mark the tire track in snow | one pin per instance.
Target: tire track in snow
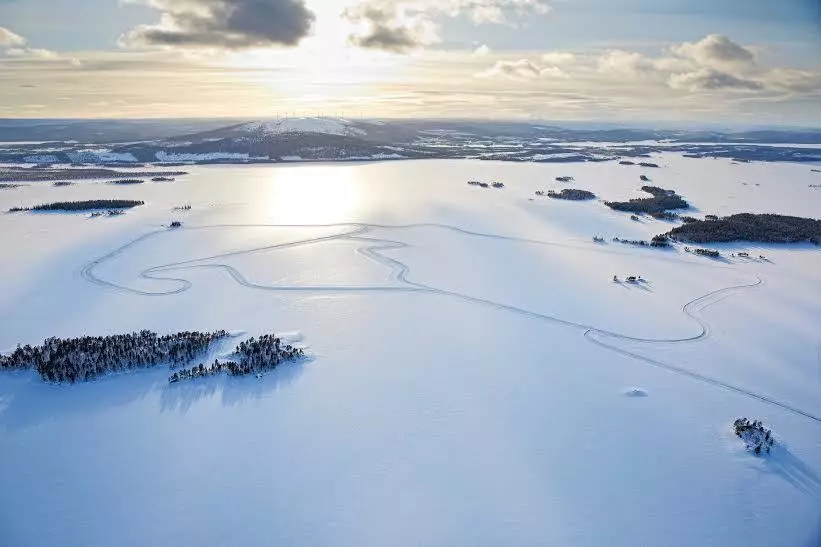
(400, 271)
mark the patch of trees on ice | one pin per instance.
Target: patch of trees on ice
(82, 359)
(573, 194)
(86, 205)
(662, 200)
(761, 228)
(126, 181)
(252, 356)
(756, 437)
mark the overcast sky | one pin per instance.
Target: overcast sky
(645, 61)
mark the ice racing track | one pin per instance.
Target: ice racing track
(371, 248)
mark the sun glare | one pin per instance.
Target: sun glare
(313, 195)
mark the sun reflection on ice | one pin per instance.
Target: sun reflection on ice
(313, 195)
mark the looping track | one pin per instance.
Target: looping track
(371, 249)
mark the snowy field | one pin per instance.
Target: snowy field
(475, 375)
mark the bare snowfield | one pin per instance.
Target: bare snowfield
(475, 375)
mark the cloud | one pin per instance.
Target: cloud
(628, 63)
(10, 39)
(31, 52)
(402, 25)
(710, 79)
(481, 51)
(715, 50)
(224, 24)
(714, 64)
(390, 31)
(523, 69)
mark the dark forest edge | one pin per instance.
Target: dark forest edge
(87, 358)
(756, 228)
(87, 205)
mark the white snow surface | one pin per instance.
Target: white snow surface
(41, 158)
(100, 156)
(329, 126)
(470, 371)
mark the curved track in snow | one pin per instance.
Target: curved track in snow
(358, 232)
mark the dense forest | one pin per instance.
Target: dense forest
(253, 356)
(82, 359)
(88, 205)
(759, 228)
(661, 201)
(571, 194)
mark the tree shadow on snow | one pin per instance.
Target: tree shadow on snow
(26, 400)
(182, 396)
(789, 467)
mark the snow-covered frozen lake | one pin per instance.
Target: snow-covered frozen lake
(476, 377)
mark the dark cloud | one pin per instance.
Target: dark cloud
(382, 32)
(228, 24)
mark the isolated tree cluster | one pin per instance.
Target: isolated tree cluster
(253, 356)
(761, 228)
(82, 359)
(712, 253)
(756, 437)
(87, 205)
(573, 194)
(662, 200)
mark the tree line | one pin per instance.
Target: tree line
(86, 205)
(759, 228)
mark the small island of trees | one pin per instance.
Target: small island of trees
(757, 228)
(82, 359)
(573, 194)
(254, 356)
(126, 181)
(87, 205)
(756, 437)
(661, 201)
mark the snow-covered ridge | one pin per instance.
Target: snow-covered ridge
(328, 126)
(164, 156)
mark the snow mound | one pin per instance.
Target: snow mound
(328, 126)
(635, 392)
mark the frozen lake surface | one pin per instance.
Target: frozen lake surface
(475, 375)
